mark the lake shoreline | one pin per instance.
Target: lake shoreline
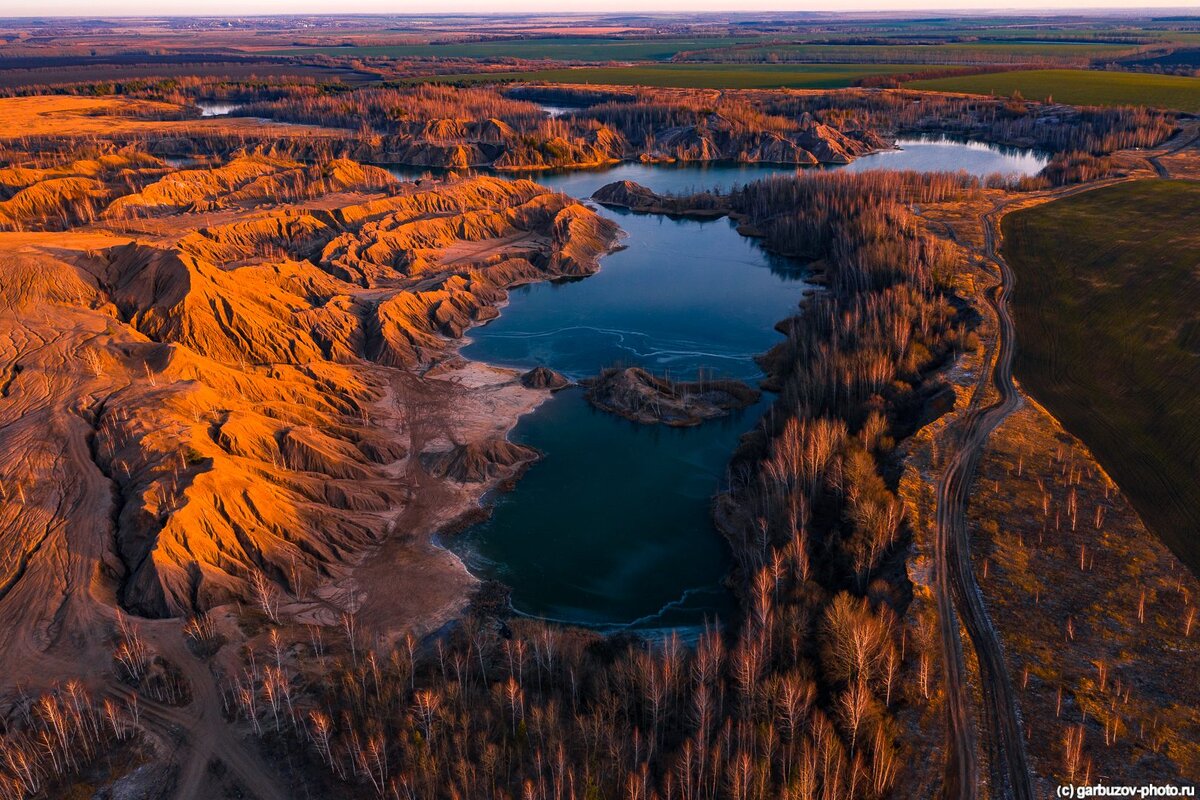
(509, 344)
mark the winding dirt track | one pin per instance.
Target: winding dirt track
(1188, 135)
(199, 731)
(957, 594)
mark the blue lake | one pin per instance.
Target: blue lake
(612, 527)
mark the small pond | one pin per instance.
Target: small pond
(213, 108)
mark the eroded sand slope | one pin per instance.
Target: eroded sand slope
(244, 376)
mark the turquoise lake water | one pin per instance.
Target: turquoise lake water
(612, 528)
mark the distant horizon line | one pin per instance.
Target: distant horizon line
(1113, 10)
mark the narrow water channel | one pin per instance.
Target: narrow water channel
(612, 527)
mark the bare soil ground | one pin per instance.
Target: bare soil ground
(215, 401)
(924, 458)
(1092, 608)
(69, 115)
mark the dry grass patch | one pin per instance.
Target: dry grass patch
(1098, 619)
(68, 115)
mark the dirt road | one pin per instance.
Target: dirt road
(199, 730)
(958, 596)
(1187, 136)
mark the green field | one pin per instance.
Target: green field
(950, 53)
(704, 76)
(997, 29)
(1107, 308)
(555, 48)
(1079, 87)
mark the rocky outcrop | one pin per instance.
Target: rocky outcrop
(635, 197)
(637, 395)
(600, 146)
(301, 234)
(627, 194)
(232, 316)
(688, 143)
(402, 236)
(544, 378)
(774, 148)
(127, 163)
(197, 187)
(717, 138)
(656, 136)
(478, 462)
(827, 144)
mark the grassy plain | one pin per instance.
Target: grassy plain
(1079, 87)
(557, 48)
(949, 53)
(705, 76)
(1108, 313)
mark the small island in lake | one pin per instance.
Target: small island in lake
(642, 200)
(637, 395)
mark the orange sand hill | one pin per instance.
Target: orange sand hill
(210, 387)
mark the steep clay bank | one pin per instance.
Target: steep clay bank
(249, 392)
(449, 134)
(459, 144)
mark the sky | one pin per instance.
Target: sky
(251, 7)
